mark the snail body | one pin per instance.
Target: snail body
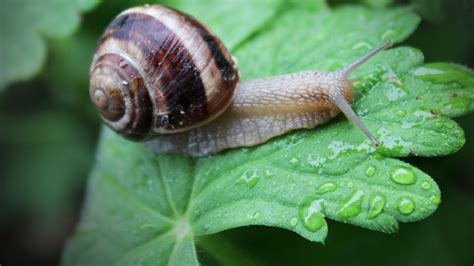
(160, 76)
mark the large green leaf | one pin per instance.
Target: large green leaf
(151, 209)
(25, 24)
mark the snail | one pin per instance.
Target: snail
(162, 77)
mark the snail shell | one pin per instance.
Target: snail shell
(159, 71)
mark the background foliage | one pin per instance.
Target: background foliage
(47, 144)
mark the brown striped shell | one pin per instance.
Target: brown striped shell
(158, 71)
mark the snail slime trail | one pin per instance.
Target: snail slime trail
(162, 77)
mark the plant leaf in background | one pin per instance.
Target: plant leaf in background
(48, 193)
(25, 24)
(152, 209)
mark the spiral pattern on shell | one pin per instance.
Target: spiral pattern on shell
(157, 71)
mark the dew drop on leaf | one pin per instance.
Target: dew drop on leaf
(403, 176)
(340, 147)
(376, 205)
(316, 161)
(311, 214)
(326, 187)
(294, 221)
(370, 170)
(406, 205)
(401, 113)
(394, 93)
(436, 200)
(295, 161)
(268, 173)
(256, 216)
(249, 177)
(426, 185)
(449, 125)
(351, 206)
(425, 72)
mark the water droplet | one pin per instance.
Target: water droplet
(424, 71)
(295, 161)
(326, 187)
(339, 147)
(249, 177)
(294, 221)
(350, 184)
(268, 173)
(426, 185)
(392, 143)
(436, 200)
(394, 93)
(311, 214)
(406, 205)
(408, 124)
(376, 205)
(423, 114)
(351, 207)
(124, 82)
(401, 113)
(370, 170)
(256, 215)
(316, 161)
(403, 176)
(377, 156)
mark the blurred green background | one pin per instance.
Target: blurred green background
(48, 134)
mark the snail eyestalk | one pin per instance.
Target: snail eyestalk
(351, 115)
(347, 70)
(342, 103)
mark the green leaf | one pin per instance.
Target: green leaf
(440, 247)
(151, 208)
(223, 17)
(25, 24)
